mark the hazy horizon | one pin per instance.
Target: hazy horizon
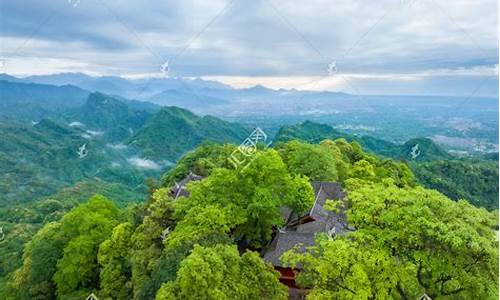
(390, 47)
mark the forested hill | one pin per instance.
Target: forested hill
(104, 138)
(172, 131)
(475, 179)
(29, 101)
(314, 132)
(402, 240)
(121, 142)
(55, 156)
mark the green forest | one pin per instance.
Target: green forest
(405, 238)
(249, 150)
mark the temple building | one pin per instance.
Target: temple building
(179, 189)
(301, 230)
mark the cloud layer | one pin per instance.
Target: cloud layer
(377, 46)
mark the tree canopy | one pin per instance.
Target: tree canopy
(220, 272)
(403, 240)
(406, 242)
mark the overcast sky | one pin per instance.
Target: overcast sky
(378, 47)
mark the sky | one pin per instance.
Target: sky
(426, 47)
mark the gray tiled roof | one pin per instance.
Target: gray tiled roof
(320, 220)
(324, 220)
(284, 241)
(179, 190)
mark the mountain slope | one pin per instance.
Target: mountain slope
(420, 149)
(307, 131)
(109, 116)
(103, 138)
(474, 180)
(172, 131)
(34, 101)
(38, 160)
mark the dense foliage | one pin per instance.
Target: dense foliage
(220, 272)
(407, 242)
(20, 222)
(475, 180)
(172, 131)
(405, 239)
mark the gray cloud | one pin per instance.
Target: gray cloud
(266, 38)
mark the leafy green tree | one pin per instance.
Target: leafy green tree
(408, 241)
(146, 242)
(219, 273)
(88, 225)
(34, 279)
(250, 200)
(398, 171)
(202, 161)
(113, 258)
(61, 259)
(313, 161)
(202, 223)
(340, 159)
(364, 170)
(474, 180)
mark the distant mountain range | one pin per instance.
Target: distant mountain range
(54, 136)
(198, 95)
(462, 125)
